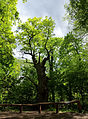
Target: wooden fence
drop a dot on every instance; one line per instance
(39, 105)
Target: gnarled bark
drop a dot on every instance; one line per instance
(42, 83)
(42, 79)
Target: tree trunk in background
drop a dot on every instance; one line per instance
(70, 91)
(82, 92)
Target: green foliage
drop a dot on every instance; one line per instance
(7, 39)
(71, 45)
(29, 72)
(22, 93)
(77, 14)
(24, 90)
(8, 16)
(36, 32)
(8, 77)
(36, 36)
(73, 69)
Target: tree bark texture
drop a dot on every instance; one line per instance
(42, 83)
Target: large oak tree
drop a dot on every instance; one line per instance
(36, 38)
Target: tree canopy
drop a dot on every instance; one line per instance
(8, 17)
(77, 11)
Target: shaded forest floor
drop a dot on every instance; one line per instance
(43, 115)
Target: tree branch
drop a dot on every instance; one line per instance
(39, 58)
(48, 52)
(45, 59)
(34, 59)
(28, 62)
(30, 43)
(28, 53)
(30, 38)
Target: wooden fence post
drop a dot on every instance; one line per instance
(21, 108)
(39, 108)
(56, 108)
(79, 106)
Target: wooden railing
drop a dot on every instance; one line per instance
(39, 105)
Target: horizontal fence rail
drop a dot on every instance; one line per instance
(56, 104)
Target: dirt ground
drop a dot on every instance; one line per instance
(43, 115)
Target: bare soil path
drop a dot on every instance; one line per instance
(43, 115)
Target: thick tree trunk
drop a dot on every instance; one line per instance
(42, 83)
(42, 78)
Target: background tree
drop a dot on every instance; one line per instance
(77, 16)
(74, 67)
(77, 11)
(8, 17)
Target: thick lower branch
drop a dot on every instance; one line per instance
(27, 53)
(34, 59)
(45, 59)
